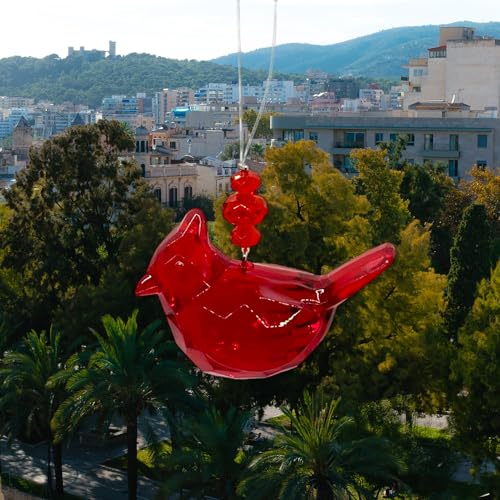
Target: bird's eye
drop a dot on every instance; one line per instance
(179, 263)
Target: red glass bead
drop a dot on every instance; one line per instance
(247, 321)
(244, 209)
(245, 181)
(245, 236)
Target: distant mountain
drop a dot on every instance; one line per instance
(379, 55)
(87, 79)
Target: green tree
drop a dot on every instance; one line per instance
(27, 398)
(393, 151)
(127, 375)
(70, 209)
(470, 262)
(231, 151)
(312, 207)
(425, 187)
(484, 188)
(318, 458)
(203, 202)
(476, 408)
(114, 292)
(381, 184)
(211, 459)
(384, 340)
(263, 129)
(445, 227)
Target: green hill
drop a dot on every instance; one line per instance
(379, 55)
(87, 79)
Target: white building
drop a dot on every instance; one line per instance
(463, 68)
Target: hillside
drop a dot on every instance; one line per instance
(81, 80)
(379, 55)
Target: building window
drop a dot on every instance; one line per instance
(313, 136)
(393, 137)
(417, 89)
(188, 192)
(482, 141)
(354, 140)
(157, 194)
(481, 164)
(453, 168)
(143, 146)
(379, 137)
(293, 135)
(453, 142)
(137, 147)
(348, 166)
(173, 145)
(172, 197)
(143, 169)
(410, 139)
(410, 161)
(428, 142)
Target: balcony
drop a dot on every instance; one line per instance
(345, 148)
(440, 151)
(171, 171)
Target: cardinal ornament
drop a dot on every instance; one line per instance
(237, 319)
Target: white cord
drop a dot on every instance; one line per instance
(240, 107)
(244, 154)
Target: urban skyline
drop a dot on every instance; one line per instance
(322, 22)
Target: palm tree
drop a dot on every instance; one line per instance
(28, 401)
(126, 376)
(211, 459)
(315, 459)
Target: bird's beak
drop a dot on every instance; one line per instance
(147, 286)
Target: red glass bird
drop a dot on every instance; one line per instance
(243, 320)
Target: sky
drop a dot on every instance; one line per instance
(204, 29)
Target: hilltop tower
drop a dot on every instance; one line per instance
(112, 49)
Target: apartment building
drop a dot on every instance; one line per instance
(280, 92)
(168, 99)
(461, 68)
(457, 142)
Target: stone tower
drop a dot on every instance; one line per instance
(22, 138)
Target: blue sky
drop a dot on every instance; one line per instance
(204, 29)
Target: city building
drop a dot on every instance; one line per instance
(279, 92)
(134, 111)
(174, 183)
(168, 99)
(462, 68)
(9, 102)
(459, 142)
(9, 119)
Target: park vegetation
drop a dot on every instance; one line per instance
(77, 232)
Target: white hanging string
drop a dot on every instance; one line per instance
(244, 151)
(240, 87)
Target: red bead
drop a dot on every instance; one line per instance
(244, 209)
(245, 181)
(249, 321)
(245, 236)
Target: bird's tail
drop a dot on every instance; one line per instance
(351, 277)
